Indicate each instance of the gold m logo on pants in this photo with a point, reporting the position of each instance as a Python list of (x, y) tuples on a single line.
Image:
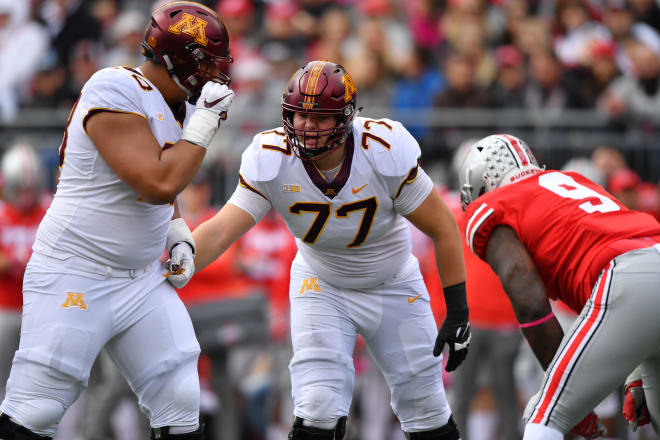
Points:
[(310, 284), (74, 300)]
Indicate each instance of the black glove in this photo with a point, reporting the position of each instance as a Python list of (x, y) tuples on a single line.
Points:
[(455, 331)]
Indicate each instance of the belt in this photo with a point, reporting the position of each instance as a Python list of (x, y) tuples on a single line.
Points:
[(85, 265)]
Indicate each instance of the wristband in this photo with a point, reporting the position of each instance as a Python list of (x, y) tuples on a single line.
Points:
[(456, 301), (538, 321), (201, 127), (179, 232)]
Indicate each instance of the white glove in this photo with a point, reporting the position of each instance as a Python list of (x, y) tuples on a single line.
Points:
[(181, 266), (210, 110)]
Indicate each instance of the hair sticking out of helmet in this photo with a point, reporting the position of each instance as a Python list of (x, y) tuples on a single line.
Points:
[(492, 162), (23, 177), (192, 42), (321, 88)]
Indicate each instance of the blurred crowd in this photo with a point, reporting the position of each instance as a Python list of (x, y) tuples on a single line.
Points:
[(531, 54), (412, 55), (409, 57)]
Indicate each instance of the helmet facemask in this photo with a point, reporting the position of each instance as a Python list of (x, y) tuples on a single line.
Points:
[(192, 84), (299, 138)]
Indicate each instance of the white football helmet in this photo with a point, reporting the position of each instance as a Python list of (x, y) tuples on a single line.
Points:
[(23, 176), (492, 162)]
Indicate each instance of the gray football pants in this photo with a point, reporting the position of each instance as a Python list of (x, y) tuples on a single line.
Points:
[(617, 330)]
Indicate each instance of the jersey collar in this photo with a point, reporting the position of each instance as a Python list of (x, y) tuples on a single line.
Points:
[(331, 189)]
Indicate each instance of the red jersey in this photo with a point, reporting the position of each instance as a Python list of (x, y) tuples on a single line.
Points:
[(17, 234), (489, 305), (570, 226)]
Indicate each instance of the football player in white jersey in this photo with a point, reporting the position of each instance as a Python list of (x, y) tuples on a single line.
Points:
[(344, 185), (94, 281)]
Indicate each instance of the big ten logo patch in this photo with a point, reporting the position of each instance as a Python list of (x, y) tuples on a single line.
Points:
[(74, 299), (310, 285)]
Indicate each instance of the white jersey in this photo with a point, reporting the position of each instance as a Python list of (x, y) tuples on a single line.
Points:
[(94, 214), (349, 231)]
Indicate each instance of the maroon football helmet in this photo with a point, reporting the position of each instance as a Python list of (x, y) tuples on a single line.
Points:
[(182, 35), (321, 87)]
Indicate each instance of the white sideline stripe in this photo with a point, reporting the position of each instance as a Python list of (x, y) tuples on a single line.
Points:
[(476, 226), (564, 378), (472, 217)]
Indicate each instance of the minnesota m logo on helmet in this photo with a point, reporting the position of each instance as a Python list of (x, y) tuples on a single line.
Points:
[(191, 25)]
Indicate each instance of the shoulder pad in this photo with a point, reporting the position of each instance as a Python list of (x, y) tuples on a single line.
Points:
[(120, 77), (391, 148), (262, 159), (116, 88)]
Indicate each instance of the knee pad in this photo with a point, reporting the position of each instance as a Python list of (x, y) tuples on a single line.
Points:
[(172, 399), (446, 432), (300, 432), (164, 434), (9, 430), (40, 414)]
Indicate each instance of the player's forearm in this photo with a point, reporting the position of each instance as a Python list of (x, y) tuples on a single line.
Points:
[(173, 171), (210, 245), (544, 340), (214, 236), (449, 260)]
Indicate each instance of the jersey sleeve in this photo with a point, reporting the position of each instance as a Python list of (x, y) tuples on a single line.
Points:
[(479, 220), (114, 89), (250, 202), (260, 164), (394, 152)]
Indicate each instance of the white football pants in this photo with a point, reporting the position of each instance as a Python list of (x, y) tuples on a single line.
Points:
[(73, 308), (398, 327)]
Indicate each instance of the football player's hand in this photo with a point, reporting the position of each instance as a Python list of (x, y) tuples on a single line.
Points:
[(181, 265), (590, 427), (635, 410), (456, 334), (210, 110), (215, 98)]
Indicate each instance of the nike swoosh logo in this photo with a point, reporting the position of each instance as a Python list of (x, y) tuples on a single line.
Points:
[(357, 190), (212, 103), (413, 299)]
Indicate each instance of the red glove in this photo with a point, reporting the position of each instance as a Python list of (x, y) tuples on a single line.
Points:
[(634, 407), (590, 427)]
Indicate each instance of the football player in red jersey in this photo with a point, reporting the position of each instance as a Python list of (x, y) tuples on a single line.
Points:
[(20, 214), (557, 235)]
